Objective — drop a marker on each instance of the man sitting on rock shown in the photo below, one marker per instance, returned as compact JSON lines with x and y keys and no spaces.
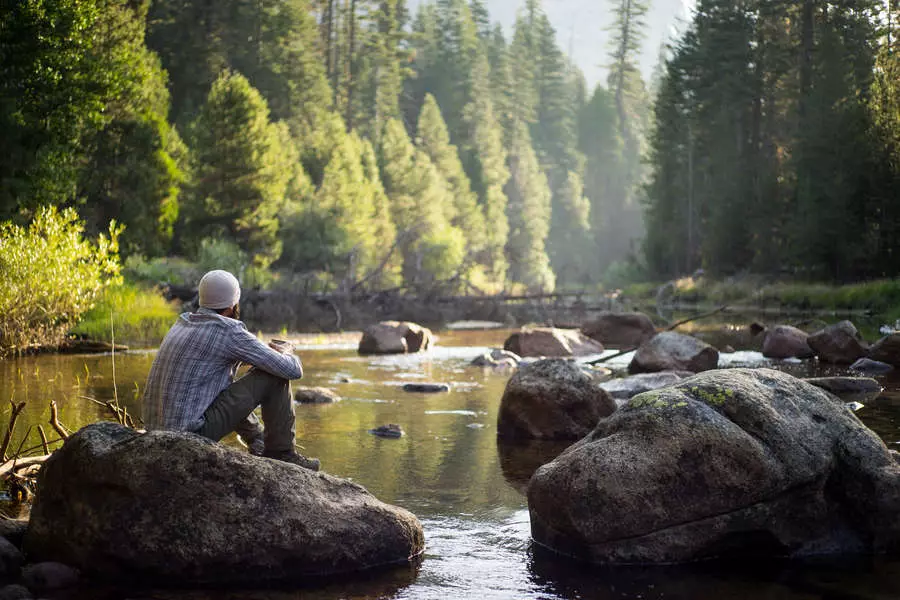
{"x":191,"y":387}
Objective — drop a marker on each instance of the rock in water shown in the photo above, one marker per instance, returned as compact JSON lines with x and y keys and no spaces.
{"x":391,"y":430}
{"x":871,"y":367}
{"x":395,"y":337}
{"x":551,"y":342}
{"x":627,"y":387}
{"x":847,"y":386}
{"x":175,"y":507}
{"x":840,"y":343}
{"x":620,"y":330}
{"x":887,"y":350}
{"x":315,"y":395}
{"x":426,"y":388}
{"x":732,"y":462}
{"x":497,"y":359}
{"x":784,"y":341}
{"x":551,"y":399}
{"x":670,"y":351}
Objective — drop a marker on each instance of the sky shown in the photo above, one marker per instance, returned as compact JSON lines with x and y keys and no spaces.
{"x":581,"y":29}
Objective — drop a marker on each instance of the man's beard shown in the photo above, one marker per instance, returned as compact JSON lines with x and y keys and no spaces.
{"x":237,"y":312}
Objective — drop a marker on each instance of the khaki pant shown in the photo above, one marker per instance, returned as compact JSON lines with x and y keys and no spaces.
{"x":232,"y":410}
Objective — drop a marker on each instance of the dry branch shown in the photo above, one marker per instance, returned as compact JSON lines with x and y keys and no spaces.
{"x":54,"y":421}
{"x":13,"y":417}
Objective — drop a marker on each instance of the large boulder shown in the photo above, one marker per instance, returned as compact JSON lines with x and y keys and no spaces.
{"x":395,"y":337}
{"x":551,"y":399}
{"x":620,"y":330}
{"x":175,"y":507}
{"x":551,"y":342}
{"x":784,"y":341}
{"x":670,"y":351}
{"x":728,"y":463}
{"x":887,"y":350}
{"x":839,"y":343}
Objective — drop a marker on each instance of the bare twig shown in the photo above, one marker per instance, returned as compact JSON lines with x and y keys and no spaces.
{"x":610,"y":357}
{"x":54,"y":421}
{"x":15,"y":465}
{"x":13,"y":417}
{"x":44,"y":442}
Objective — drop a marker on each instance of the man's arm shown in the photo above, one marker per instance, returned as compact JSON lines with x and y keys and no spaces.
{"x":247,"y":349}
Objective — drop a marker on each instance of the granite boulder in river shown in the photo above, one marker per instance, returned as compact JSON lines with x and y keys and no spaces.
{"x":670,"y":351}
{"x":180,"y":509}
{"x":552,"y":399}
{"x":840,"y":343}
{"x":395,"y":337}
{"x":730,"y":462}
{"x":620,"y":330}
{"x":551,"y":342}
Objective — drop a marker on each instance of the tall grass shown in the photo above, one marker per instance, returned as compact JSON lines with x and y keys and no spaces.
{"x":139,"y":315}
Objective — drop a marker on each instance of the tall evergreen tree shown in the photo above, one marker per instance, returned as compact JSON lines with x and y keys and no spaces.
{"x":242,"y":169}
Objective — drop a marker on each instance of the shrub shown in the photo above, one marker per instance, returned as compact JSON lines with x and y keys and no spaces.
{"x":171,"y":270}
{"x":140,"y":316}
{"x":50,"y":276}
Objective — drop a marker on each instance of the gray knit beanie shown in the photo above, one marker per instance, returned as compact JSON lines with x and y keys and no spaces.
{"x":219,"y":289}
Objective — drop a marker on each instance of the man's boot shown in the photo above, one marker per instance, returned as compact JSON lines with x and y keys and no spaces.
{"x":295,"y":458}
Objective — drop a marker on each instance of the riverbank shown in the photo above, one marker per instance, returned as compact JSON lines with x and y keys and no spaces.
{"x":763,"y":295}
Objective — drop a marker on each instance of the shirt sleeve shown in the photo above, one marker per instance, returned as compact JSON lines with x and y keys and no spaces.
{"x":248,"y":349}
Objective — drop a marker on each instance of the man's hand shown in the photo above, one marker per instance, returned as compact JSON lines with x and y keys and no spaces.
{"x":282,"y":346}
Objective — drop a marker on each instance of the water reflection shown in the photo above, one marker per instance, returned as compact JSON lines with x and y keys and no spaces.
{"x":520,"y":459}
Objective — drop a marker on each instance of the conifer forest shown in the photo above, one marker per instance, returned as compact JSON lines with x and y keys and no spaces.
{"x":360,"y":145}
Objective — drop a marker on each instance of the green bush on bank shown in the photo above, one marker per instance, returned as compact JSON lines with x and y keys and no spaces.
{"x":135,"y":314}
{"x":49,"y":277}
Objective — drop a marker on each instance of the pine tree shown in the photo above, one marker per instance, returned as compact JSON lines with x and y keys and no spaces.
{"x":463,"y":211}
{"x":528,"y":212}
{"x":242,"y":170}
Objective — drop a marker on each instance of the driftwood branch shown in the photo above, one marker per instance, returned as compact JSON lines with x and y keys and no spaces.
{"x":678,"y":324}
{"x":54,"y":421}
{"x":11,"y":466}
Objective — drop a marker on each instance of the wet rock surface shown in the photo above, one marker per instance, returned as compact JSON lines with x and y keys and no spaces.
{"x":840,"y":343}
{"x":497,"y":359}
{"x":628,"y":387}
{"x":213,"y":515}
{"x":784,"y":341}
{"x":315,"y":395}
{"x":551,"y":342}
{"x":670,"y":351}
{"x":620,"y":330}
{"x":736,"y":462}
{"x":395,"y":337}
{"x":426,"y":388}
{"x":871,"y":367}
{"x":552,"y":399}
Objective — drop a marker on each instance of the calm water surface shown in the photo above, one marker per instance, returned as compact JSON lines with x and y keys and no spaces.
{"x":450,"y":472}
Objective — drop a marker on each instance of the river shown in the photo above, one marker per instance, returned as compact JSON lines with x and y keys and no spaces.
{"x":450,"y":472}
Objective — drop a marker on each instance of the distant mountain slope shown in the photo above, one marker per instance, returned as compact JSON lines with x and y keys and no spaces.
{"x":581,"y":29}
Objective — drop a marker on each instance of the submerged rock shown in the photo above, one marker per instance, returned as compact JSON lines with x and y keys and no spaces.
{"x":670,"y":351}
{"x":315,"y":395}
{"x":871,"y":367}
{"x":551,"y":342}
{"x":620,"y":330}
{"x":391,"y":430}
{"x":395,"y":337}
{"x":15,"y":592}
{"x":628,"y":387}
{"x":839,"y":343}
{"x":175,"y":507}
{"x":426,"y":388}
{"x":732,"y":462}
{"x":551,"y":399}
{"x":784,"y":341}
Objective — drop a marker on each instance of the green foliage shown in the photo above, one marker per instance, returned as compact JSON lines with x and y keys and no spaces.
{"x":50,"y":276}
{"x":242,"y":169}
{"x":161,"y":270}
{"x":528,"y":210}
{"x":135,"y":315}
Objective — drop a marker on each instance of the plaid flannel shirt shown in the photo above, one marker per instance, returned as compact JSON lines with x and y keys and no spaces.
{"x":198,"y":359}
